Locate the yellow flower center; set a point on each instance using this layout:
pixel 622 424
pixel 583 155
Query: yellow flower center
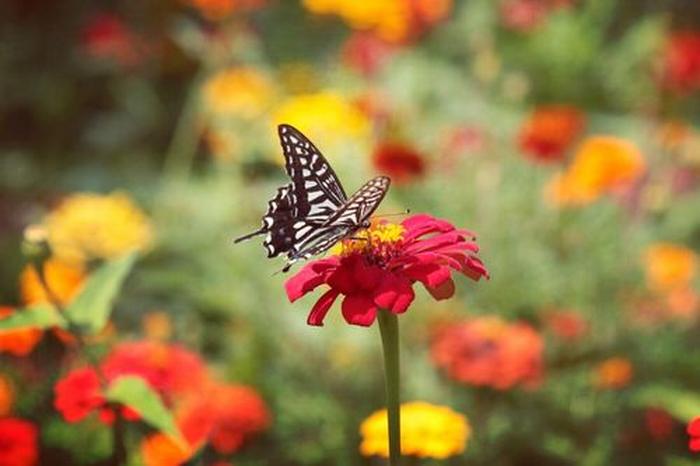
pixel 378 243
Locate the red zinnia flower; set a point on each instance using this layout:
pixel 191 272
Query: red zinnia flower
pixel 80 393
pixel 241 413
pixel 486 351
pixel 168 368
pixel 380 271
pixel 366 53
pixel 694 433
pixel 682 62
pixel 18 442
pixel 549 131
pixel 106 36
pixel 400 161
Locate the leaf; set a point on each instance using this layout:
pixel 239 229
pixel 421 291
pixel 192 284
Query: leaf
pixel 91 308
pixel 134 392
pixel 681 404
pixel 40 316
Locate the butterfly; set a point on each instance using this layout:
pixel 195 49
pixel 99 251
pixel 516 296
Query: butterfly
pixel 312 213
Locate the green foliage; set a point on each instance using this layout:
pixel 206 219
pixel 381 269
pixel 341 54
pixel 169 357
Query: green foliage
pixel 41 316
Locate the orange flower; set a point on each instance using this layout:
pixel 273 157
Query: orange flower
pixel 669 266
pixel 64 280
pixel 549 131
pixel 603 164
pixel 567 325
pixel 160 450
pixel 7 396
pixel 613 373
pixel 487 351
pixel 17 342
pixel 157 325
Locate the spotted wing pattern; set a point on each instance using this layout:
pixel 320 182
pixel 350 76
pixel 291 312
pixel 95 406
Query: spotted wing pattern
pixel 310 214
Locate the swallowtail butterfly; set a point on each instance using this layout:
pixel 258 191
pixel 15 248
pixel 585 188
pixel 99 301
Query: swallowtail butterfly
pixel 309 215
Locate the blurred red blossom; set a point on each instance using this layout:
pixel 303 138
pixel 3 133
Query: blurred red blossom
pixel 107 37
pixel 549 130
pixel 366 53
pixel 400 161
pixel 379 272
pixel 659 423
pixel 487 351
pixel 226 415
pixel 18 442
pixel 80 393
pixel 694 433
pixel 613 373
pixel 681 67
pixel 168 368
pixel 526 15
pixel 566 324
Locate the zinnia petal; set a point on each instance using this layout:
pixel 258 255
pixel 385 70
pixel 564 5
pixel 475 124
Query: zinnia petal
pixel 309 277
pixel 359 309
pixel 394 293
pixel 444 291
pixel 320 309
pixel 431 275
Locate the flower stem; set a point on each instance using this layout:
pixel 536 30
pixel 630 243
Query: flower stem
pixel 389 330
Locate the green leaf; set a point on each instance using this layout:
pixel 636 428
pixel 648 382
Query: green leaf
pixel 681 404
pixel 90 310
pixel 41 316
pixel 134 392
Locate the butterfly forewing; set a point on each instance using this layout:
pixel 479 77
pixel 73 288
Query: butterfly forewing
pixel 316 186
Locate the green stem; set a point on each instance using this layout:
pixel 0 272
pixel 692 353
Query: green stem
pixel 389 330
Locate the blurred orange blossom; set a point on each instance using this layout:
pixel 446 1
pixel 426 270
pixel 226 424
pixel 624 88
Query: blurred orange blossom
pixel 602 164
pixel 613 373
pixel 64 281
pixel 17 342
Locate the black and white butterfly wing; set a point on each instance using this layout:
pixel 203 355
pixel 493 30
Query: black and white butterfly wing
pixel 317 189
pixel 350 217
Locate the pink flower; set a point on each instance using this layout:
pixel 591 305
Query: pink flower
pixel 379 269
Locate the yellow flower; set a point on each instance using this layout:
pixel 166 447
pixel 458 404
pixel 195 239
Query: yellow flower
pixel 241 92
pixel 669 266
pixel 93 226
pixel 601 165
pixel 427 431
pixel 378 236
pixel 324 116
pixel 64 280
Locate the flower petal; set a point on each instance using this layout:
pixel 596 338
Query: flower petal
pixel 309 277
pixel 394 293
pixel 320 309
pixel 359 309
pixel 444 291
pixel 431 275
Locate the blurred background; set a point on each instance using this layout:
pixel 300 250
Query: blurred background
pixel 563 132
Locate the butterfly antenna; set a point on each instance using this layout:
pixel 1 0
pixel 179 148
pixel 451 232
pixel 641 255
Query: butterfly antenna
pixel 249 235
pixel 405 212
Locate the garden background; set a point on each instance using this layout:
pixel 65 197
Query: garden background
pixel 137 139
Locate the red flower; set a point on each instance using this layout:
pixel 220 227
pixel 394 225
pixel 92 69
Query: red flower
pixel 380 271
pixel 694 433
pixel 107 37
pixel 682 62
pixel 659 423
pixel 169 369
pixel 80 393
pixel 486 351
pixel 567 325
pixel 18 442
pixel 399 161
pixel 366 53
pixel 549 131
pixel 526 15
pixel 241 413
